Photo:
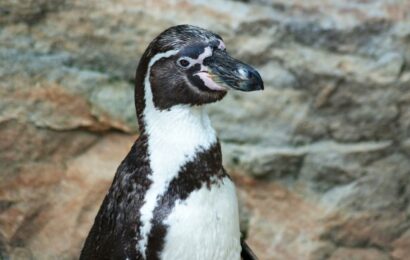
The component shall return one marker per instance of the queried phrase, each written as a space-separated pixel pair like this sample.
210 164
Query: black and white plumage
171 197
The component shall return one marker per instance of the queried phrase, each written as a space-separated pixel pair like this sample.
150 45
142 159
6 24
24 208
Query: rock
358 254
379 216
263 163
316 158
276 76
388 67
33 220
284 224
326 167
401 249
250 110
27 11
406 146
37 145
327 170
321 156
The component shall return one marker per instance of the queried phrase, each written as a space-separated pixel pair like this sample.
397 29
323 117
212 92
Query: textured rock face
321 157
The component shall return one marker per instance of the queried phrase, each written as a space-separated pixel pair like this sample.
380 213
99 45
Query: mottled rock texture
321 157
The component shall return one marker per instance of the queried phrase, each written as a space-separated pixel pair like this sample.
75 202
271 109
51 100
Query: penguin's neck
176 135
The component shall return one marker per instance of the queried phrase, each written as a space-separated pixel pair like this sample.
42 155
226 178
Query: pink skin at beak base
209 83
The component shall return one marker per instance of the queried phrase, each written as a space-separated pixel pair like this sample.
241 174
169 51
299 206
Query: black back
115 232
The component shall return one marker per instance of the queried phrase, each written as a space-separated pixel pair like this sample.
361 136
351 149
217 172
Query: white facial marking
205 225
221 45
174 137
203 74
208 81
207 53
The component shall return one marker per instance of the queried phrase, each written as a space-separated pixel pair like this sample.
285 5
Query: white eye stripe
221 45
159 56
147 209
205 54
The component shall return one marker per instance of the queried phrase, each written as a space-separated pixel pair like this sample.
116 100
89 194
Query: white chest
205 226
175 137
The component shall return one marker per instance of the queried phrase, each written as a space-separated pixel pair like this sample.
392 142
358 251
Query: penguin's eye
183 63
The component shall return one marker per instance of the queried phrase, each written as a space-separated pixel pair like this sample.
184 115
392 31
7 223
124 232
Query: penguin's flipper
246 252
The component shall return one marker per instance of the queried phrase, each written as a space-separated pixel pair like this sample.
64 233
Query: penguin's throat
179 127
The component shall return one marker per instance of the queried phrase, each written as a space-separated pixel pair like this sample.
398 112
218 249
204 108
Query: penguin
171 198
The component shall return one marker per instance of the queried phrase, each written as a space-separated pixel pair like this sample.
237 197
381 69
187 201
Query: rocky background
321 157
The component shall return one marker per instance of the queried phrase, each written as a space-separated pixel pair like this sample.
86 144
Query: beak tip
256 80
262 85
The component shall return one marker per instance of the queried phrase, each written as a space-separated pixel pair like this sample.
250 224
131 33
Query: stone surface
358 254
47 207
401 246
282 224
321 157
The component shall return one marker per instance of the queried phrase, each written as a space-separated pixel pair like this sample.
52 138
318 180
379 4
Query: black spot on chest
205 170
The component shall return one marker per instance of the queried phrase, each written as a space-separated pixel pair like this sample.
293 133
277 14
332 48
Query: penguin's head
188 65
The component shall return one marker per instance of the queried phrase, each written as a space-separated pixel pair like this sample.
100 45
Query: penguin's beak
226 71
